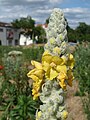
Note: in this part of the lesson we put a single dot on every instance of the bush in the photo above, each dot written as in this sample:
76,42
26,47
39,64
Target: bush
82,73
32,53
82,70
16,101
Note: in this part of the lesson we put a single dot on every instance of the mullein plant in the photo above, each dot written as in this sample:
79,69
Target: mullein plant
54,73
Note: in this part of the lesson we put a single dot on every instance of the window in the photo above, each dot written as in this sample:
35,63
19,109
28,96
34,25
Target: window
9,42
1,30
16,42
10,34
0,42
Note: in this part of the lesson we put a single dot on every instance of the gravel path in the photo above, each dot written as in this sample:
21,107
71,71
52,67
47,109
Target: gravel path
74,104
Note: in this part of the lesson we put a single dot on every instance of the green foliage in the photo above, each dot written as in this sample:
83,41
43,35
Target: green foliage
32,53
82,73
24,23
15,93
24,110
82,70
28,28
86,104
81,33
40,33
47,20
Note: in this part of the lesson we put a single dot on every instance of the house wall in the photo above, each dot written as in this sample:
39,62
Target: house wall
3,36
9,36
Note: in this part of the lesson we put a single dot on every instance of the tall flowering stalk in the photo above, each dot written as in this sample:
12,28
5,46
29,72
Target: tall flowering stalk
54,73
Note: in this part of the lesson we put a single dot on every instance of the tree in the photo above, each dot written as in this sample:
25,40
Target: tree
40,33
26,24
83,31
47,20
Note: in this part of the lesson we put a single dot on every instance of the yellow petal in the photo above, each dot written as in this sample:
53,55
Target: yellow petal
57,60
62,76
46,66
39,114
35,78
39,73
53,74
46,53
62,68
63,85
37,83
36,96
47,74
31,72
71,61
34,91
64,59
36,64
56,50
70,56
65,114
46,57
52,40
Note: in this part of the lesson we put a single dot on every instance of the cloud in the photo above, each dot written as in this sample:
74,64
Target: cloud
40,10
76,15
56,1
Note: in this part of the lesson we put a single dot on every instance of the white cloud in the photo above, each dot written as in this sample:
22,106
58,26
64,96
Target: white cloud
40,10
56,1
35,0
44,11
75,10
76,15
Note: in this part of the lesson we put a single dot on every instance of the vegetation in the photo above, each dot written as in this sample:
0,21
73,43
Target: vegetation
16,102
81,33
29,29
32,53
15,93
82,73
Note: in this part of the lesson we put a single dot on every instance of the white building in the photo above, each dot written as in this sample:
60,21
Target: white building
25,40
12,36
8,34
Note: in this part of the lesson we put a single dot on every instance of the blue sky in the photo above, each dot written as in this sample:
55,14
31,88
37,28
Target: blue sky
75,10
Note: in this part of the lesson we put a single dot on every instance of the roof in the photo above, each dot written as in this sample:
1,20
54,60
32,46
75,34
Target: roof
3,24
42,25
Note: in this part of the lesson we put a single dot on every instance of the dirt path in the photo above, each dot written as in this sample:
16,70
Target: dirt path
74,104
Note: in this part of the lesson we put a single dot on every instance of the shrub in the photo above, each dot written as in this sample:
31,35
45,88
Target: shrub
15,93
82,73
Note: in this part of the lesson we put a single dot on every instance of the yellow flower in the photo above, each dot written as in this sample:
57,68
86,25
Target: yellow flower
70,61
46,57
56,50
64,115
36,89
52,40
50,64
36,64
36,96
37,75
64,59
52,67
38,115
61,37
62,77
61,68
